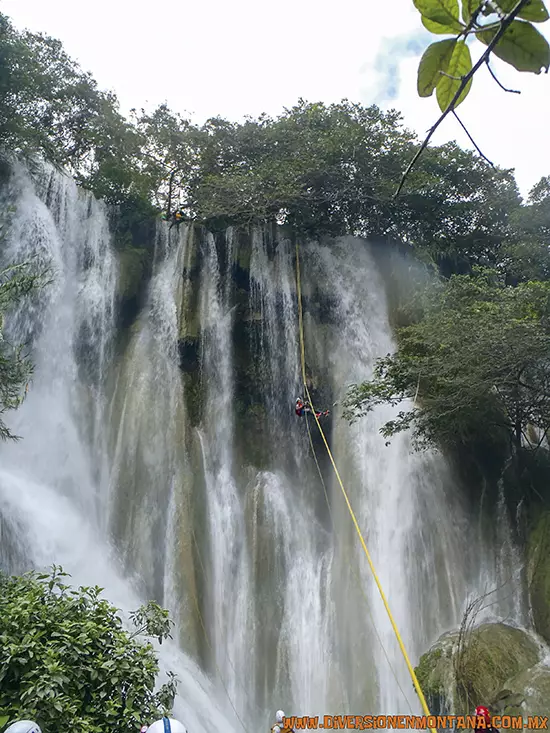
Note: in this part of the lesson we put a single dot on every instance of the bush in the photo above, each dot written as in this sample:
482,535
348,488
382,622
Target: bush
67,662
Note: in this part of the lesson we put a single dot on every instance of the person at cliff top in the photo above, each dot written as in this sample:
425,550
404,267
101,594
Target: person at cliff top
482,712
177,217
302,407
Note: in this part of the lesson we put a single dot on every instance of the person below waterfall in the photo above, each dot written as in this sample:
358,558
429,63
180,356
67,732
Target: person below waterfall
279,725
303,407
482,712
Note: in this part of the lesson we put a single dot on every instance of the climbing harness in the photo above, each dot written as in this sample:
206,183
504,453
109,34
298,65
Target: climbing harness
348,503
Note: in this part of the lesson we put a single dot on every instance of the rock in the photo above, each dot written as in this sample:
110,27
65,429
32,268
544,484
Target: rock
538,574
435,674
528,693
132,265
499,668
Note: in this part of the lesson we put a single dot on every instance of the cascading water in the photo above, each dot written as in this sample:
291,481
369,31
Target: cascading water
230,606
115,465
48,481
418,532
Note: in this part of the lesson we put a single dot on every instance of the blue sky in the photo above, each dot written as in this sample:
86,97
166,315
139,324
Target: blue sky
211,57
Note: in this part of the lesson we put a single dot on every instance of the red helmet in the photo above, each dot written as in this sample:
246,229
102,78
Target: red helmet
483,713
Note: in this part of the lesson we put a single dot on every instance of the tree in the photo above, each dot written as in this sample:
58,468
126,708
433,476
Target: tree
16,283
49,107
67,662
526,250
504,26
477,359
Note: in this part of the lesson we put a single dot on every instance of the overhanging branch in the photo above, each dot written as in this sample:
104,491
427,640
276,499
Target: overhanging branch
465,79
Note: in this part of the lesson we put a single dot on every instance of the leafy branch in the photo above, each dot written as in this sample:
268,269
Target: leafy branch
446,66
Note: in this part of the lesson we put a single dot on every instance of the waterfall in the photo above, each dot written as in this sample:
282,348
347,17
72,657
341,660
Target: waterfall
51,501
166,462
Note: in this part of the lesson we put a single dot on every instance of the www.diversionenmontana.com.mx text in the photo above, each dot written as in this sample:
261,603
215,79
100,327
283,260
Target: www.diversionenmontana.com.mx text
414,722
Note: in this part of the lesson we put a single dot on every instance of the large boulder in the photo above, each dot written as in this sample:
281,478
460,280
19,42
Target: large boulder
499,666
528,693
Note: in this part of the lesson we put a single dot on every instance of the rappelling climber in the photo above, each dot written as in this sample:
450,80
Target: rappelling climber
23,726
167,725
302,407
482,712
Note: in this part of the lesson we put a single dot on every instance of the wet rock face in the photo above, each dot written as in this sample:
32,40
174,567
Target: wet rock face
500,668
538,566
528,693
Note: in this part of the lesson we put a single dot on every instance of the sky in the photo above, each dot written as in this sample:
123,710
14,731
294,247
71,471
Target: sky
245,57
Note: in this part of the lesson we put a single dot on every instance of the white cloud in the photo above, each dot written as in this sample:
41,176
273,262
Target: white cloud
246,57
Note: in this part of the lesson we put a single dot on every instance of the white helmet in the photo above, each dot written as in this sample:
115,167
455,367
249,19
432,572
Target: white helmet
279,715
166,725
23,726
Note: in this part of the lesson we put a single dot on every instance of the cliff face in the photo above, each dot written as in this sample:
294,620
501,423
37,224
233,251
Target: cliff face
237,248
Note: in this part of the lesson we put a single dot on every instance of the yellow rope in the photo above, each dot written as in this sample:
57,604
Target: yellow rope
355,572
352,514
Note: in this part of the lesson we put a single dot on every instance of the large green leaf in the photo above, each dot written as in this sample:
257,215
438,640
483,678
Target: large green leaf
453,26
459,65
522,46
535,10
468,9
440,11
435,59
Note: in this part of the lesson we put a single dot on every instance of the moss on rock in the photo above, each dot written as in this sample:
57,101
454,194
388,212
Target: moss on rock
194,396
250,424
499,662
495,653
528,693
538,573
434,673
132,266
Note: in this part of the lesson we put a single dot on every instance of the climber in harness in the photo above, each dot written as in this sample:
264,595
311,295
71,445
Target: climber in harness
482,712
176,218
302,407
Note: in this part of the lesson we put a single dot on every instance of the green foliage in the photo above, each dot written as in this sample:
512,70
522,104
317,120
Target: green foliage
477,357
49,107
321,169
525,252
459,65
436,59
519,43
534,10
67,662
16,283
